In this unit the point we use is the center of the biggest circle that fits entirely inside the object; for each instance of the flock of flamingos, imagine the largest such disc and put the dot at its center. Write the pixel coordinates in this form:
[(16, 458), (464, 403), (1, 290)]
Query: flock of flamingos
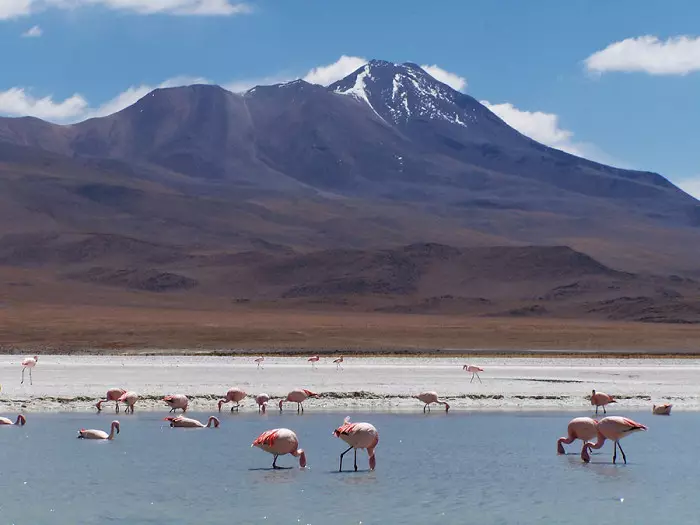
[(282, 441)]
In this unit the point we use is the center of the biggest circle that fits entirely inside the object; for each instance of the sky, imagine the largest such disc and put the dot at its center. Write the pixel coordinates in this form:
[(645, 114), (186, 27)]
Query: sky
[(617, 82)]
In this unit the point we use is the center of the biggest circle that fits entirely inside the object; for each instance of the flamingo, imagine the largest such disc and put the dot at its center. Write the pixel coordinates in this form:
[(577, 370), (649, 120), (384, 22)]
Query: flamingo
[(234, 395), (339, 363), (614, 428), (130, 398), (279, 442), (661, 410), (260, 360), (261, 400), (21, 421), (313, 360), (358, 435), (298, 396), (474, 370), (30, 363), (431, 397), (177, 401), (583, 428), (600, 399), (99, 434), (186, 422), (113, 394)]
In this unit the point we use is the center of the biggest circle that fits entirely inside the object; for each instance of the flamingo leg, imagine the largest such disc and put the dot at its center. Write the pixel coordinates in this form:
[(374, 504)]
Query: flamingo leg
[(117, 407), (340, 469), (274, 462), (479, 378), (615, 453), (623, 452), (22, 382), (604, 411), (30, 377), (355, 460), (472, 378), (596, 410)]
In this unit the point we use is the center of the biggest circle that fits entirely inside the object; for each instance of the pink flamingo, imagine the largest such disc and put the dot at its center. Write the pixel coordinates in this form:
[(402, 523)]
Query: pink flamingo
[(661, 410), (234, 395), (186, 422), (614, 428), (313, 360), (260, 360), (339, 363), (474, 370), (358, 435), (600, 399), (113, 394), (177, 401), (431, 397), (99, 434), (279, 442), (21, 421), (298, 396), (30, 363), (583, 428), (130, 398), (261, 400)]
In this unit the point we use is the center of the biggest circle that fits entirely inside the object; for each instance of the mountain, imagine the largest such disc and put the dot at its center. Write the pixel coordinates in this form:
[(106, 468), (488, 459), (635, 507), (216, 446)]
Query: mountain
[(386, 157)]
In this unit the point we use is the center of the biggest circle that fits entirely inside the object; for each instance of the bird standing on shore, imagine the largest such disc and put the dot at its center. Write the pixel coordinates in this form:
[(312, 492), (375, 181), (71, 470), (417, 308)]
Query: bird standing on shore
[(30, 363), (176, 401), (234, 395), (600, 399), (613, 428), (261, 400), (99, 434), (298, 396), (339, 363), (313, 360), (21, 421), (113, 394), (279, 442), (474, 370), (429, 398), (358, 435), (130, 399), (583, 428), (186, 422), (259, 361)]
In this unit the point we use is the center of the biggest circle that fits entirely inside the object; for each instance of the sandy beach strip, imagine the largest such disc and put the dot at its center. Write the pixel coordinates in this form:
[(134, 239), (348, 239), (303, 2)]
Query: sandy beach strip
[(76, 382)]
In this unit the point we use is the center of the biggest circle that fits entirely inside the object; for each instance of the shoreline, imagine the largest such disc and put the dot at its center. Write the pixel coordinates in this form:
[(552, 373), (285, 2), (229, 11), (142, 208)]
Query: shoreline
[(75, 383)]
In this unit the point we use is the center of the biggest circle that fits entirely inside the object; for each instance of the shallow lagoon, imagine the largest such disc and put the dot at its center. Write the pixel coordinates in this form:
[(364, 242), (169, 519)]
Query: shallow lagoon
[(435, 468)]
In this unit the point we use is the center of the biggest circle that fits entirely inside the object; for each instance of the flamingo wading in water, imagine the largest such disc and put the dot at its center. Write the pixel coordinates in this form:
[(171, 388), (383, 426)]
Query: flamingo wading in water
[(262, 400), (298, 396), (583, 428), (177, 401), (431, 397), (21, 421), (99, 434), (234, 395), (260, 360), (30, 363), (474, 370), (600, 399), (186, 422), (113, 394), (313, 360), (613, 428), (130, 399), (339, 363), (358, 435), (279, 442), (661, 410)]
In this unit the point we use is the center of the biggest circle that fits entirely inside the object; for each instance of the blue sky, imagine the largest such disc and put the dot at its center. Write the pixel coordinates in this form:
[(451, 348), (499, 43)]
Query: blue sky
[(614, 81)]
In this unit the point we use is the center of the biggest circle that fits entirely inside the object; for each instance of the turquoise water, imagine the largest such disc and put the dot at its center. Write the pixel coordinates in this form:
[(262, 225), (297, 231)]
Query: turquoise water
[(458, 468)]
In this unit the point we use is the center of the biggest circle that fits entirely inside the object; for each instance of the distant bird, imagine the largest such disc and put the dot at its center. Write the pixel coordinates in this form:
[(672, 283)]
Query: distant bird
[(113, 394), (186, 422), (234, 395), (21, 421), (177, 401), (583, 428), (662, 410), (262, 400), (99, 434), (339, 363), (600, 399), (429, 398), (260, 360), (130, 399), (313, 360), (358, 435), (279, 442), (614, 428), (298, 396), (30, 363), (474, 370)]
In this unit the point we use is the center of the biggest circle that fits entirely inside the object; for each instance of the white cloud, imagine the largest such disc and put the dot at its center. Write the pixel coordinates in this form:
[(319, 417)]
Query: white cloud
[(33, 32), (676, 56), (17, 8), (17, 102), (690, 185), (326, 75), (451, 79)]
